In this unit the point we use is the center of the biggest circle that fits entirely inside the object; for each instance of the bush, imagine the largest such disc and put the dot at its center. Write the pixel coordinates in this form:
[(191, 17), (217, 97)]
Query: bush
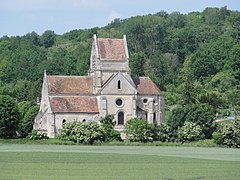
[(27, 121), (189, 132), (164, 134), (138, 130), (108, 126), (228, 134), (200, 114), (83, 133), (34, 135)]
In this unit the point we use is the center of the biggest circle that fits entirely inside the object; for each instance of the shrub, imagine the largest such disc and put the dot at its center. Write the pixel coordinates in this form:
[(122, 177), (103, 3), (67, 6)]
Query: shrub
[(83, 133), (189, 132), (228, 134), (200, 114), (164, 133), (67, 131), (34, 135), (138, 130), (26, 122), (108, 123)]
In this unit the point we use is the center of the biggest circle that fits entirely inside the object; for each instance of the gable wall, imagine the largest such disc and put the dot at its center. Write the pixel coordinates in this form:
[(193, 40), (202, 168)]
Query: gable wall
[(128, 106), (112, 86)]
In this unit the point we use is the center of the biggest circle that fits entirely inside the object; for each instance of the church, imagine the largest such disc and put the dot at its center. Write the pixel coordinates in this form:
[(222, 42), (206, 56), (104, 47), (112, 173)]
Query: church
[(109, 89)]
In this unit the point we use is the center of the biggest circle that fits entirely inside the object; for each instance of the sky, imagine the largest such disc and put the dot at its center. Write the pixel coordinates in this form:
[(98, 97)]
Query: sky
[(19, 17)]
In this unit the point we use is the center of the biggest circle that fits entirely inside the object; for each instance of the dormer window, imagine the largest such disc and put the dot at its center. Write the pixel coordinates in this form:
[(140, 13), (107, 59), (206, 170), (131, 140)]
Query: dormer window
[(119, 85)]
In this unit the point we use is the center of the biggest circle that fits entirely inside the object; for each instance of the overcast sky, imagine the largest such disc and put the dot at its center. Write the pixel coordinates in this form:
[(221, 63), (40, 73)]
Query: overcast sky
[(19, 17)]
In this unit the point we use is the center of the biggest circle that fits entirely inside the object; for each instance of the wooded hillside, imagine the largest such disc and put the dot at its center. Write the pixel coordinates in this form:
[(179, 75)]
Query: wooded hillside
[(193, 58)]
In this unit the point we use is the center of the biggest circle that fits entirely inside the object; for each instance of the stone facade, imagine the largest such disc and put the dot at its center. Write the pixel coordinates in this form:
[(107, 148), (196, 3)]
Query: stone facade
[(108, 89)]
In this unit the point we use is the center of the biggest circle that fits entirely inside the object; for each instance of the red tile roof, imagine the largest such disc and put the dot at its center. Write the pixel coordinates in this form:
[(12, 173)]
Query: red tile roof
[(111, 49), (70, 84), (66, 104), (146, 86)]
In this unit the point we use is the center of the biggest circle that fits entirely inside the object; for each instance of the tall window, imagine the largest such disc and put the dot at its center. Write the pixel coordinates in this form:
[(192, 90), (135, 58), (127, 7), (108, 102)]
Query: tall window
[(63, 122), (154, 118), (120, 118), (119, 84)]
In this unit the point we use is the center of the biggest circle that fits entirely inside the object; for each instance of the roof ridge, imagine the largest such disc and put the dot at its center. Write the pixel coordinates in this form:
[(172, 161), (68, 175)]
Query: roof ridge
[(68, 76)]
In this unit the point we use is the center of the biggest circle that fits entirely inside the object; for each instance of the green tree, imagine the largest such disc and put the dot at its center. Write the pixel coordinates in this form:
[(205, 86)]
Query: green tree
[(25, 90), (138, 130), (48, 38), (137, 64), (202, 115), (234, 64), (108, 124), (9, 117), (27, 121), (177, 118), (188, 93)]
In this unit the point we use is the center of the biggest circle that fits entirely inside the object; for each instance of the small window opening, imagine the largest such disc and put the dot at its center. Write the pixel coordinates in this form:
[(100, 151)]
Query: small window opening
[(119, 102), (145, 100), (121, 118), (119, 84), (84, 120), (63, 122), (154, 118)]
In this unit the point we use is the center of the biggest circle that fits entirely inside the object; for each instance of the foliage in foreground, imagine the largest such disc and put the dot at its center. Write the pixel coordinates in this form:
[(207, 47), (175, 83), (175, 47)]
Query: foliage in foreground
[(9, 117), (138, 130), (199, 114), (83, 133), (189, 132), (28, 111), (34, 135), (108, 124), (228, 134), (91, 132)]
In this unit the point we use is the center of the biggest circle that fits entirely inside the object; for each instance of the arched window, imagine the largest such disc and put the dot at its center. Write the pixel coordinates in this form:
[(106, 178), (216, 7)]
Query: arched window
[(119, 84), (63, 122), (121, 118), (154, 118)]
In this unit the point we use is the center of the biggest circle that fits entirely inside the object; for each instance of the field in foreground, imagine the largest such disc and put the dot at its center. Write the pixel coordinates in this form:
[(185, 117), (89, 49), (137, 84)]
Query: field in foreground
[(117, 162)]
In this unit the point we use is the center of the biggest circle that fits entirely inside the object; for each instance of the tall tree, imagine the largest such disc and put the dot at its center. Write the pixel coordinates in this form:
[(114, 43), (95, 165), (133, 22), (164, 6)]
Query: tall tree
[(48, 38), (9, 117), (137, 64), (188, 92)]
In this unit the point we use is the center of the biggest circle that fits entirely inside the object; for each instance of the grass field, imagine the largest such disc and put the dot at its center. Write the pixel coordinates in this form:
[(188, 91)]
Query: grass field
[(21, 161)]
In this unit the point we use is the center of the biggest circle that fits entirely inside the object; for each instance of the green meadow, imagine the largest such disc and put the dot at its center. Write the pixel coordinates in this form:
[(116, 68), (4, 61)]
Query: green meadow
[(25, 161)]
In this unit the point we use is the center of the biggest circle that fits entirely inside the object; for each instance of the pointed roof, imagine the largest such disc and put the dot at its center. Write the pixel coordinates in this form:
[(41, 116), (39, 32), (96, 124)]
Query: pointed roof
[(112, 49), (74, 104), (70, 85), (146, 86)]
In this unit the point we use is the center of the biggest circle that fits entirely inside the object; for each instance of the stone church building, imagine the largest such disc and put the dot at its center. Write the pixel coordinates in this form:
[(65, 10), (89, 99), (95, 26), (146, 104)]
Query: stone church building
[(108, 89)]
